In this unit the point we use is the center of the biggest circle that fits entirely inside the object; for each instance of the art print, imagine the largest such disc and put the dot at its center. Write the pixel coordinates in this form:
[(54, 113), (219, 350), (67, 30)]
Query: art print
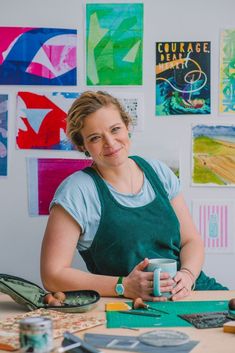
[(38, 56), (213, 219), (227, 77), (41, 120), (3, 134), (182, 78), (114, 44), (44, 176), (133, 104), (213, 155)]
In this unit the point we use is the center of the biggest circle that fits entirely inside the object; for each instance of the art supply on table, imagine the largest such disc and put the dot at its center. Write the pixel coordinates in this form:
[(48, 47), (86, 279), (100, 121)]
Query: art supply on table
[(231, 304), (9, 327), (141, 313), (231, 314), (207, 320), (229, 327), (130, 328), (36, 335), (77, 345), (133, 344), (34, 297), (231, 309), (116, 320), (117, 306), (161, 338), (139, 303), (67, 348)]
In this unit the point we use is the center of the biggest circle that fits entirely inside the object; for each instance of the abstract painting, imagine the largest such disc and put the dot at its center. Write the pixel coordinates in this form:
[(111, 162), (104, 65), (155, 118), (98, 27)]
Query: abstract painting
[(38, 56), (227, 72), (182, 78), (44, 176), (3, 134), (41, 120), (213, 219), (213, 155), (114, 44)]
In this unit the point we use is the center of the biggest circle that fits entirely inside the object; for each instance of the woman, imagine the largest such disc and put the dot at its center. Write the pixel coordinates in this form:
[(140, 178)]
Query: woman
[(118, 213)]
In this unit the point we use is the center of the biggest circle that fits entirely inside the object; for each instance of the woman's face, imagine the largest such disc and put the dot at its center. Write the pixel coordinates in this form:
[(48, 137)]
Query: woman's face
[(105, 137)]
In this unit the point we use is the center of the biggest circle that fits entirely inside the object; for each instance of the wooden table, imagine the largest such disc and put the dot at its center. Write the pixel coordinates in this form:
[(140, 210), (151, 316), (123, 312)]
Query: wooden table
[(211, 340)]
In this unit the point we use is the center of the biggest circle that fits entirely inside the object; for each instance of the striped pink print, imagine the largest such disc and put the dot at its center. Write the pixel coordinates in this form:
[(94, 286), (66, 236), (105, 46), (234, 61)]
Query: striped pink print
[(217, 240), (207, 226), (206, 212), (221, 228), (211, 213), (226, 225)]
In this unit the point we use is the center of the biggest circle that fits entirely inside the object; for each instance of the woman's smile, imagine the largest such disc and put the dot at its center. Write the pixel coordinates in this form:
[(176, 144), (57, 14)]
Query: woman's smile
[(113, 152)]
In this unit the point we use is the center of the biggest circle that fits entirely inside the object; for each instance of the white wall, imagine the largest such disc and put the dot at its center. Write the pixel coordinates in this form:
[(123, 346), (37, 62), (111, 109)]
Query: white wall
[(171, 20)]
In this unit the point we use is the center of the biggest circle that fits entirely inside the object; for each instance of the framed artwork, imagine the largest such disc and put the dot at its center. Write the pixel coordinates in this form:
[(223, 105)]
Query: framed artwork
[(41, 120), (114, 43), (44, 176), (38, 56), (3, 133), (227, 78), (182, 78), (214, 222), (213, 155), (133, 104)]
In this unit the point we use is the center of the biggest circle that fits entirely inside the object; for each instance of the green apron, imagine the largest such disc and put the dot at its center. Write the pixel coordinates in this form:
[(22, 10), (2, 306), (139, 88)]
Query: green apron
[(127, 235)]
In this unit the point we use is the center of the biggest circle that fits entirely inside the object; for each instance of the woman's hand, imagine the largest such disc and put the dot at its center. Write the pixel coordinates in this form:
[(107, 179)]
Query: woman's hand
[(139, 283), (183, 287)]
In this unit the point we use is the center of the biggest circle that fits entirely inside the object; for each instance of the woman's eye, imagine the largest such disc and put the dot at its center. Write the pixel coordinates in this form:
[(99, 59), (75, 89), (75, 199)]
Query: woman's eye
[(94, 139), (115, 129)]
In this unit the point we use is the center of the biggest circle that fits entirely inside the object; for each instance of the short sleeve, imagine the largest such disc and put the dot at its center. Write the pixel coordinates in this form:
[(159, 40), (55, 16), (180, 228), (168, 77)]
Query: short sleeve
[(73, 194), (169, 180)]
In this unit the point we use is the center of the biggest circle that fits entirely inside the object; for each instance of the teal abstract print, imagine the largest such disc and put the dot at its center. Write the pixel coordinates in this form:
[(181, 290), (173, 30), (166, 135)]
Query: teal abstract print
[(227, 76), (114, 44)]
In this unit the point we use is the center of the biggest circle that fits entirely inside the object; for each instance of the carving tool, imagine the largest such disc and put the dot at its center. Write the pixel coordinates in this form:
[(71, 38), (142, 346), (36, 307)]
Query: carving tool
[(139, 303)]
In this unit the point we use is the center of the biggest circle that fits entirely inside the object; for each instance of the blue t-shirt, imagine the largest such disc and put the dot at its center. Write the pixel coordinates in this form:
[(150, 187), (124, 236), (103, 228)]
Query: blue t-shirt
[(78, 195)]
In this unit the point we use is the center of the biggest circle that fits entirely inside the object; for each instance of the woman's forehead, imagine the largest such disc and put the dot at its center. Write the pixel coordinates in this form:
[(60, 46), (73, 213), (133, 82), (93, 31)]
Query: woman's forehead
[(104, 115)]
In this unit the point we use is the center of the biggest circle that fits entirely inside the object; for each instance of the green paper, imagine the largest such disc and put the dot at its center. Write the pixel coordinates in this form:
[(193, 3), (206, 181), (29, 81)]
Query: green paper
[(117, 320), (114, 44)]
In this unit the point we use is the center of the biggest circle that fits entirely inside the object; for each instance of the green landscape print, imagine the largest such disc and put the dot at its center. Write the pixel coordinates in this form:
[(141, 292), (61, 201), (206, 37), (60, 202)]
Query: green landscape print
[(114, 44), (213, 155)]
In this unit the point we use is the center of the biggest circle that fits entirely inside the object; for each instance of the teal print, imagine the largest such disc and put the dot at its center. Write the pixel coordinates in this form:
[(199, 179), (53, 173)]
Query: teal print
[(114, 44), (213, 226)]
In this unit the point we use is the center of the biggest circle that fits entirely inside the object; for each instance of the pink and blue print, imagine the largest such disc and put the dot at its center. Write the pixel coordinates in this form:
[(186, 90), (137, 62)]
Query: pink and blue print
[(3, 134), (38, 56)]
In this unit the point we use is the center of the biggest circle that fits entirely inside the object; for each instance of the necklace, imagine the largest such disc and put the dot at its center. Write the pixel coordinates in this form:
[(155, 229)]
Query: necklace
[(131, 179)]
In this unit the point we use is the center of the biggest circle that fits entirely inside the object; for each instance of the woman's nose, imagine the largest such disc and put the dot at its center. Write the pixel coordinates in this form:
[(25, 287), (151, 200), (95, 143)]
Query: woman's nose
[(108, 140)]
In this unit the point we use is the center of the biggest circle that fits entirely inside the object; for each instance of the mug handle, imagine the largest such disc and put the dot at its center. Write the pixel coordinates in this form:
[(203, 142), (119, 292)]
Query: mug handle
[(156, 282)]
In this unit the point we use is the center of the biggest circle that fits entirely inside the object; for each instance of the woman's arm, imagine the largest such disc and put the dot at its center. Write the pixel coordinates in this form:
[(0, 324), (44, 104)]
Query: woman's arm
[(192, 250), (58, 248)]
